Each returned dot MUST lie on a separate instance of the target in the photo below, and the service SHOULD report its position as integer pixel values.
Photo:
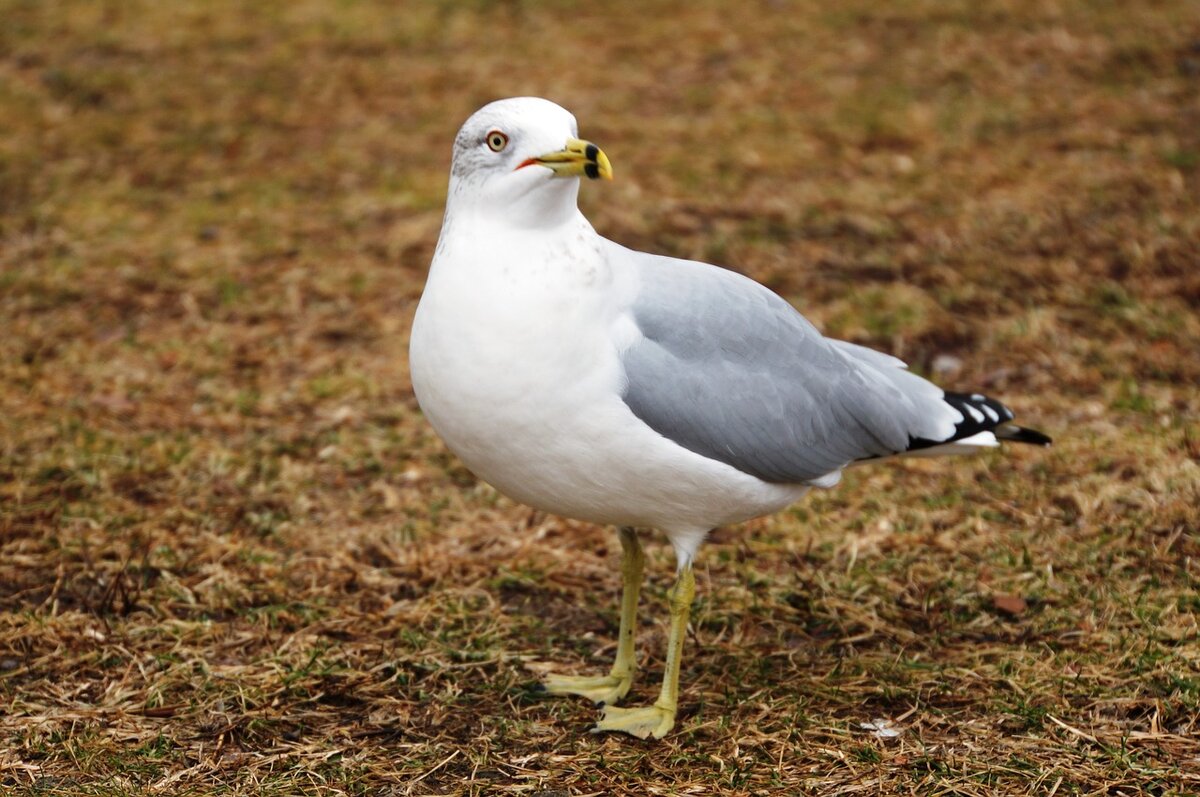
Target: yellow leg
(608, 689)
(658, 719)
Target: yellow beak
(578, 159)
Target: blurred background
(231, 550)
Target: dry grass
(236, 561)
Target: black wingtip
(981, 413)
(1019, 434)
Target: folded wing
(731, 371)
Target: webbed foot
(641, 722)
(603, 689)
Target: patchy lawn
(235, 560)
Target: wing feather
(729, 370)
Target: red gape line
(527, 162)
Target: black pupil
(497, 142)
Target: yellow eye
(497, 140)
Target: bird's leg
(633, 563)
(658, 719)
(609, 689)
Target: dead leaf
(1012, 605)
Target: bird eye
(497, 141)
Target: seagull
(618, 387)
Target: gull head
(521, 159)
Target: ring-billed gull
(625, 388)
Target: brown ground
(235, 560)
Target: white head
(521, 159)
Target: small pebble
(946, 364)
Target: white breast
(515, 360)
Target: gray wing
(730, 371)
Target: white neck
(534, 202)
